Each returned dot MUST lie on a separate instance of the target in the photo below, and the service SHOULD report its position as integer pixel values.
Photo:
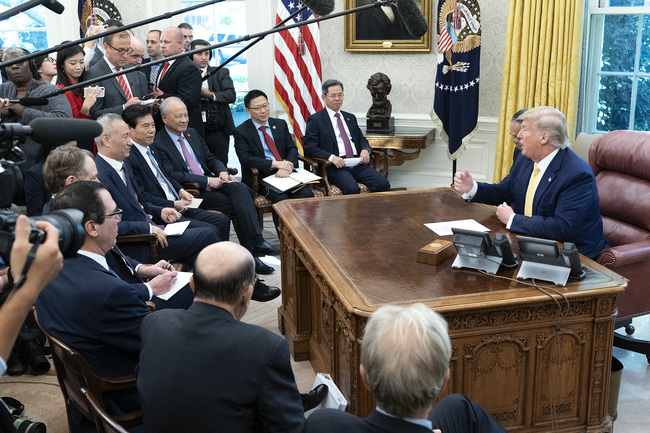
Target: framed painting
(381, 28)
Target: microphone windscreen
(413, 18)
(54, 6)
(54, 130)
(31, 102)
(320, 7)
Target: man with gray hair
(407, 385)
(553, 192)
(66, 165)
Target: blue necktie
(160, 176)
(129, 186)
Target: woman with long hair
(45, 68)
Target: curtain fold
(541, 67)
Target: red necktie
(162, 74)
(349, 153)
(270, 144)
(123, 85)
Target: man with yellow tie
(552, 191)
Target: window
(27, 29)
(618, 73)
(218, 23)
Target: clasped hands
(217, 182)
(364, 158)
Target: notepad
(297, 178)
(176, 229)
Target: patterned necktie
(154, 73)
(530, 192)
(162, 179)
(123, 85)
(270, 144)
(349, 153)
(162, 74)
(129, 186)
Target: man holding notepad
(265, 143)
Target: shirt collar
(141, 148)
(423, 422)
(544, 163)
(331, 112)
(117, 165)
(173, 136)
(110, 65)
(96, 257)
(257, 125)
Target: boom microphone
(412, 17)
(320, 7)
(54, 6)
(29, 102)
(54, 130)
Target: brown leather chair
(142, 238)
(321, 170)
(104, 422)
(621, 162)
(74, 374)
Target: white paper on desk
(352, 162)
(176, 229)
(182, 280)
(196, 202)
(444, 228)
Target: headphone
(196, 42)
(32, 66)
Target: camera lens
(71, 232)
(32, 354)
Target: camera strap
(28, 264)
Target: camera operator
(45, 266)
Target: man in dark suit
(238, 376)
(153, 50)
(552, 191)
(184, 156)
(87, 306)
(123, 90)
(219, 91)
(406, 386)
(113, 147)
(266, 144)
(180, 77)
(335, 135)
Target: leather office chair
(142, 238)
(74, 374)
(104, 422)
(321, 170)
(621, 162)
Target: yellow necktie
(530, 192)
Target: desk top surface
(366, 245)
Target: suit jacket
(147, 181)
(251, 152)
(183, 79)
(114, 97)
(238, 376)
(330, 420)
(36, 194)
(565, 206)
(320, 138)
(100, 319)
(223, 88)
(133, 221)
(173, 164)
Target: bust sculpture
(379, 86)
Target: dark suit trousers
(236, 200)
(219, 143)
(457, 413)
(304, 192)
(346, 178)
(204, 218)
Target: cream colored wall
(412, 78)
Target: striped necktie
(125, 88)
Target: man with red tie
(265, 143)
(335, 135)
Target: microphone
(320, 7)
(54, 130)
(413, 18)
(29, 102)
(54, 6)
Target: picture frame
(374, 30)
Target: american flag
(445, 43)
(297, 67)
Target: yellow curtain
(541, 66)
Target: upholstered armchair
(621, 163)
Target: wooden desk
(343, 257)
(392, 147)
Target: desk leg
(294, 319)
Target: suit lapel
(330, 128)
(254, 137)
(197, 151)
(144, 167)
(549, 175)
(119, 183)
(113, 81)
(173, 151)
(170, 71)
(278, 137)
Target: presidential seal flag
(455, 101)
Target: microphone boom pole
(103, 34)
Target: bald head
(223, 273)
(137, 52)
(171, 41)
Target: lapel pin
(549, 179)
(273, 127)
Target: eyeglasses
(120, 51)
(335, 95)
(49, 59)
(260, 107)
(117, 214)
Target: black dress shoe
(314, 397)
(262, 268)
(264, 293)
(264, 249)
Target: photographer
(46, 265)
